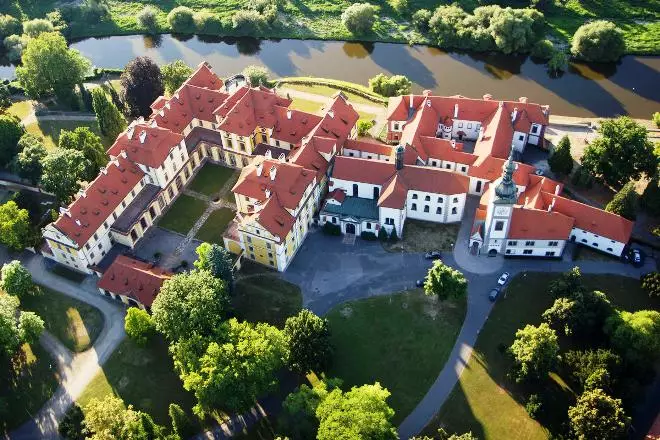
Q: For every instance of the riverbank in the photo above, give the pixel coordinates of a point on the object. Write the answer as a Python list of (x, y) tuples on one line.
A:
[(321, 20)]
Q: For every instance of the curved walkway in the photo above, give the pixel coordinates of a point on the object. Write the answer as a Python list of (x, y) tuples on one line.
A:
[(76, 369)]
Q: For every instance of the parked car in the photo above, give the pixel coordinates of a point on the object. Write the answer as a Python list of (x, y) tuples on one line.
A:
[(433, 255), (503, 279), (494, 294), (419, 283), (539, 172), (637, 257)]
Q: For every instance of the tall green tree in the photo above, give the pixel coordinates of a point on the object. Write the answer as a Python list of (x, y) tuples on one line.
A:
[(621, 153), (50, 67), (395, 85), (256, 75), (108, 419), (89, 144), (445, 282), (190, 303), (361, 413), (359, 18), (598, 416), (111, 121), (561, 161), (141, 83), (636, 336), (583, 314), (237, 368), (308, 339), (16, 280), (15, 228), (175, 74), (5, 98), (217, 260), (27, 163), (514, 29), (73, 426), (16, 327), (62, 172), (535, 351), (585, 364), (181, 424), (139, 326), (11, 131), (567, 284), (598, 40), (298, 420), (624, 202)]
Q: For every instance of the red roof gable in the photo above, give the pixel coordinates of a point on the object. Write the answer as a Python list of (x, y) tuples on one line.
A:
[(145, 144), (134, 279), (539, 224), (249, 108), (292, 125), (368, 146)]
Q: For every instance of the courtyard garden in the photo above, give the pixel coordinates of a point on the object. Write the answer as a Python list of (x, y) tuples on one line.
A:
[(419, 236), (213, 228), (401, 340), (211, 178), (183, 214), (266, 298), (75, 323), (486, 400)]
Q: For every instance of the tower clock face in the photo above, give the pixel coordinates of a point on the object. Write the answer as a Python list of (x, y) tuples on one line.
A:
[(501, 211)]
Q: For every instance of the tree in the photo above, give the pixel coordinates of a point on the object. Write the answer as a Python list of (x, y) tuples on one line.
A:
[(207, 23), (558, 62), (248, 21), (394, 237), (359, 18), (256, 75), (361, 413), (561, 161), (11, 131), (421, 20), (651, 283), (308, 340), (181, 424), (583, 313), (363, 127), (111, 121), (624, 202), (174, 74), (237, 369), (400, 6), (598, 416), (535, 351), (73, 426), (190, 303), (599, 40), (636, 336), (28, 161), (15, 229), (139, 326), (396, 85), (513, 29), (298, 418), (108, 419), (650, 199), (147, 18), (14, 46), (16, 280), (36, 27), (382, 234), (567, 284), (141, 83), (9, 26), (446, 25), (445, 282), (585, 364), (181, 19), (16, 327), (62, 172), (656, 119), (50, 67), (443, 435), (83, 140), (5, 98), (543, 49), (218, 261)]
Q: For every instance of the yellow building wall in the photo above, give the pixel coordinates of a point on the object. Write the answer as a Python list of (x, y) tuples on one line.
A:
[(260, 250)]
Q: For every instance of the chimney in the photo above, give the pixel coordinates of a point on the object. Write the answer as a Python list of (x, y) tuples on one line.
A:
[(410, 98), (331, 113), (523, 99), (399, 156), (273, 172), (143, 136), (426, 93), (267, 191), (455, 110), (514, 114), (557, 190), (288, 114), (268, 154), (281, 157), (130, 131), (488, 97), (260, 168), (453, 144), (78, 222)]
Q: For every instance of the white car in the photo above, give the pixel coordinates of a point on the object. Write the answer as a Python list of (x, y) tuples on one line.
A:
[(503, 278)]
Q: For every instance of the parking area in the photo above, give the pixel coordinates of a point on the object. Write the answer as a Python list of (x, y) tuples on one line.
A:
[(159, 243)]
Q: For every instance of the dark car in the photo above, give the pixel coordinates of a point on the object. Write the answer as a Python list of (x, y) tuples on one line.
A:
[(419, 283), (433, 255), (494, 294), (637, 257)]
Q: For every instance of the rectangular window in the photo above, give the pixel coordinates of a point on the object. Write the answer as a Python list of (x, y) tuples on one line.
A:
[(549, 254), (389, 221), (133, 193), (438, 210), (521, 137), (460, 125), (527, 252), (440, 200), (454, 211), (469, 125), (268, 246), (270, 255), (414, 207), (455, 200), (513, 243), (249, 239), (553, 243), (96, 236), (414, 196), (334, 220), (87, 246), (427, 198), (535, 129), (368, 225), (529, 243), (426, 208), (499, 225)]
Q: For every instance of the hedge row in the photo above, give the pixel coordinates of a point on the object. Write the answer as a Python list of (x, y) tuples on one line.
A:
[(356, 89)]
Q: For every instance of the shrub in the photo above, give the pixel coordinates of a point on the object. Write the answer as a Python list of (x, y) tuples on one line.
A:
[(624, 202), (582, 178), (86, 12), (651, 283), (395, 85), (14, 45), (359, 18), (147, 18), (37, 26), (267, 9), (400, 6), (561, 161), (368, 235), (9, 26), (533, 405), (598, 41), (364, 126), (393, 236), (208, 23), (543, 49), (139, 326), (446, 25), (331, 229), (73, 426), (656, 119), (181, 19), (650, 199), (382, 234), (256, 75), (558, 62), (248, 21), (421, 19), (11, 130)]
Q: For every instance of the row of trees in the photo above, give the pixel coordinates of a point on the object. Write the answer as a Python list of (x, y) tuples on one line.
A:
[(619, 347)]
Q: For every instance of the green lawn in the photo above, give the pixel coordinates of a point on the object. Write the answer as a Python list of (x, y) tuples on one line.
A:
[(485, 401), (212, 229), (73, 322), (419, 236), (306, 105), (401, 340), (183, 214), (328, 91), (26, 385), (266, 298), (211, 178), (143, 377), (21, 108), (50, 130)]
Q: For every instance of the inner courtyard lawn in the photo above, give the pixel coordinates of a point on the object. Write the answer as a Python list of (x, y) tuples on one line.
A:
[(25, 385), (419, 236), (213, 228), (183, 214), (401, 340), (143, 377), (492, 406), (75, 323), (266, 298), (211, 178)]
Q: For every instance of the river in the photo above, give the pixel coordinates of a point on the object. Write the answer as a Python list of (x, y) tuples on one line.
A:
[(631, 86)]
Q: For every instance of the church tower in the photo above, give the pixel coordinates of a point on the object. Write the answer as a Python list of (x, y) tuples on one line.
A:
[(500, 208)]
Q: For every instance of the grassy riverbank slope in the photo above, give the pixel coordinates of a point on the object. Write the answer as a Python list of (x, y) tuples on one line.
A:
[(321, 19)]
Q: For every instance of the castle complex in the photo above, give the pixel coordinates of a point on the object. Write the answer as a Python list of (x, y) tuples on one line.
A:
[(296, 167)]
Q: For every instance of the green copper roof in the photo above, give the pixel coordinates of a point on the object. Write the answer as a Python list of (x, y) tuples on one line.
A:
[(506, 190), (356, 207)]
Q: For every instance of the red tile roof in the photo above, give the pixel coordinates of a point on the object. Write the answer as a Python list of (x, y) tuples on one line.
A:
[(375, 172), (187, 103), (292, 125), (274, 217), (134, 279), (203, 76), (368, 146), (444, 149), (394, 193), (337, 194), (145, 144), (87, 213), (248, 108), (490, 168), (539, 224)]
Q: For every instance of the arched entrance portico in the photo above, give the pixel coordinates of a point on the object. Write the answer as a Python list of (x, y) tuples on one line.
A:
[(350, 228)]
